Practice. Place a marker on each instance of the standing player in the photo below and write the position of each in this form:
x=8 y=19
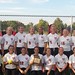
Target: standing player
x=31 y=41
x=53 y=40
x=72 y=63
x=10 y=60
x=19 y=39
x=61 y=63
x=65 y=41
x=23 y=62
x=49 y=63
x=42 y=41
x=36 y=62
x=8 y=39
x=73 y=39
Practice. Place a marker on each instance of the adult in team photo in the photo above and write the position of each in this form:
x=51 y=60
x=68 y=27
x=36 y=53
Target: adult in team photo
x=72 y=62
x=49 y=63
x=42 y=40
x=53 y=40
x=23 y=62
x=10 y=60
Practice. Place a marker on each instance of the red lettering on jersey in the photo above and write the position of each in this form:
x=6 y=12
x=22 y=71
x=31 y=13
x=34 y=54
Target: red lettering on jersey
x=26 y=58
x=67 y=39
x=51 y=42
x=24 y=36
x=6 y=42
x=63 y=43
x=29 y=42
x=11 y=38
x=55 y=37
x=34 y=38
x=19 y=41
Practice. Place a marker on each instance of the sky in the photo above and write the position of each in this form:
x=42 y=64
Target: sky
x=36 y=7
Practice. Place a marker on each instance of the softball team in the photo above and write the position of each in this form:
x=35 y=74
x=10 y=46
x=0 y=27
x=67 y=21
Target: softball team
x=37 y=54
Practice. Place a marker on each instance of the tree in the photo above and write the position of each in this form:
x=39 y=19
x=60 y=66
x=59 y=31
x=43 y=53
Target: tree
x=73 y=26
x=42 y=23
x=59 y=24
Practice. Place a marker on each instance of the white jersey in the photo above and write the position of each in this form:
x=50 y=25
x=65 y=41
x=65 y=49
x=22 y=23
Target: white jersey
x=20 y=37
x=31 y=40
x=61 y=60
x=48 y=61
x=41 y=39
x=23 y=60
x=1 y=41
x=73 y=41
x=8 y=40
x=13 y=57
x=72 y=60
x=65 y=42
x=53 y=40
x=34 y=67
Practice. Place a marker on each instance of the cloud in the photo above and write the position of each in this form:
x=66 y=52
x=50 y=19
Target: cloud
x=39 y=1
x=7 y=1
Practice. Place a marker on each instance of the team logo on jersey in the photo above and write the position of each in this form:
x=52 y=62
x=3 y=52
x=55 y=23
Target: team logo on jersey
x=21 y=62
x=29 y=42
x=6 y=42
x=63 y=59
x=67 y=39
x=41 y=36
x=55 y=37
x=11 y=38
x=26 y=58
x=34 y=38
x=63 y=43
x=24 y=36
x=19 y=41
x=51 y=42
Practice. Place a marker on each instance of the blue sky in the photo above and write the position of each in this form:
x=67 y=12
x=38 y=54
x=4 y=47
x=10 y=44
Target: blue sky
x=38 y=7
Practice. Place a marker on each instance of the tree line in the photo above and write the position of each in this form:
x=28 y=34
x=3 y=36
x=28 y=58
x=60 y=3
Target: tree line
x=57 y=22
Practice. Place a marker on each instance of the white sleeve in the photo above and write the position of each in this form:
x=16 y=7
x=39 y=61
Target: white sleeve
x=16 y=38
x=45 y=38
x=16 y=58
x=25 y=39
x=5 y=58
x=66 y=59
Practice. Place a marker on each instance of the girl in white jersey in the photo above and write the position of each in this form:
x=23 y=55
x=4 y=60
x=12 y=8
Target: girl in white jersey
x=73 y=39
x=31 y=41
x=42 y=41
x=36 y=62
x=49 y=63
x=10 y=60
x=61 y=63
x=72 y=62
x=53 y=40
x=19 y=39
x=65 y=41
x=8 y=39
x=23 y=62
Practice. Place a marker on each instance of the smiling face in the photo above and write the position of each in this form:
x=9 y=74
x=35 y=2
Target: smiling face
x=21 y=29
x=36 y=50
x=40 y=30
x=11 y=49
x=48 y=51
x=23 y=51
x=61 y=50
x=31 y=30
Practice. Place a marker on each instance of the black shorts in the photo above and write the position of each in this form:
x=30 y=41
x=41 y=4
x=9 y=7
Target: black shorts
x=68 y=53
x=30 y=51
x=54 y=51
x=28 y=73
x=36 y=72
x=41 y=49
x=71 y=72
x=1 y=73
x=51 y=72
x=65 y=72
x=18 y=50
x=10 y=71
